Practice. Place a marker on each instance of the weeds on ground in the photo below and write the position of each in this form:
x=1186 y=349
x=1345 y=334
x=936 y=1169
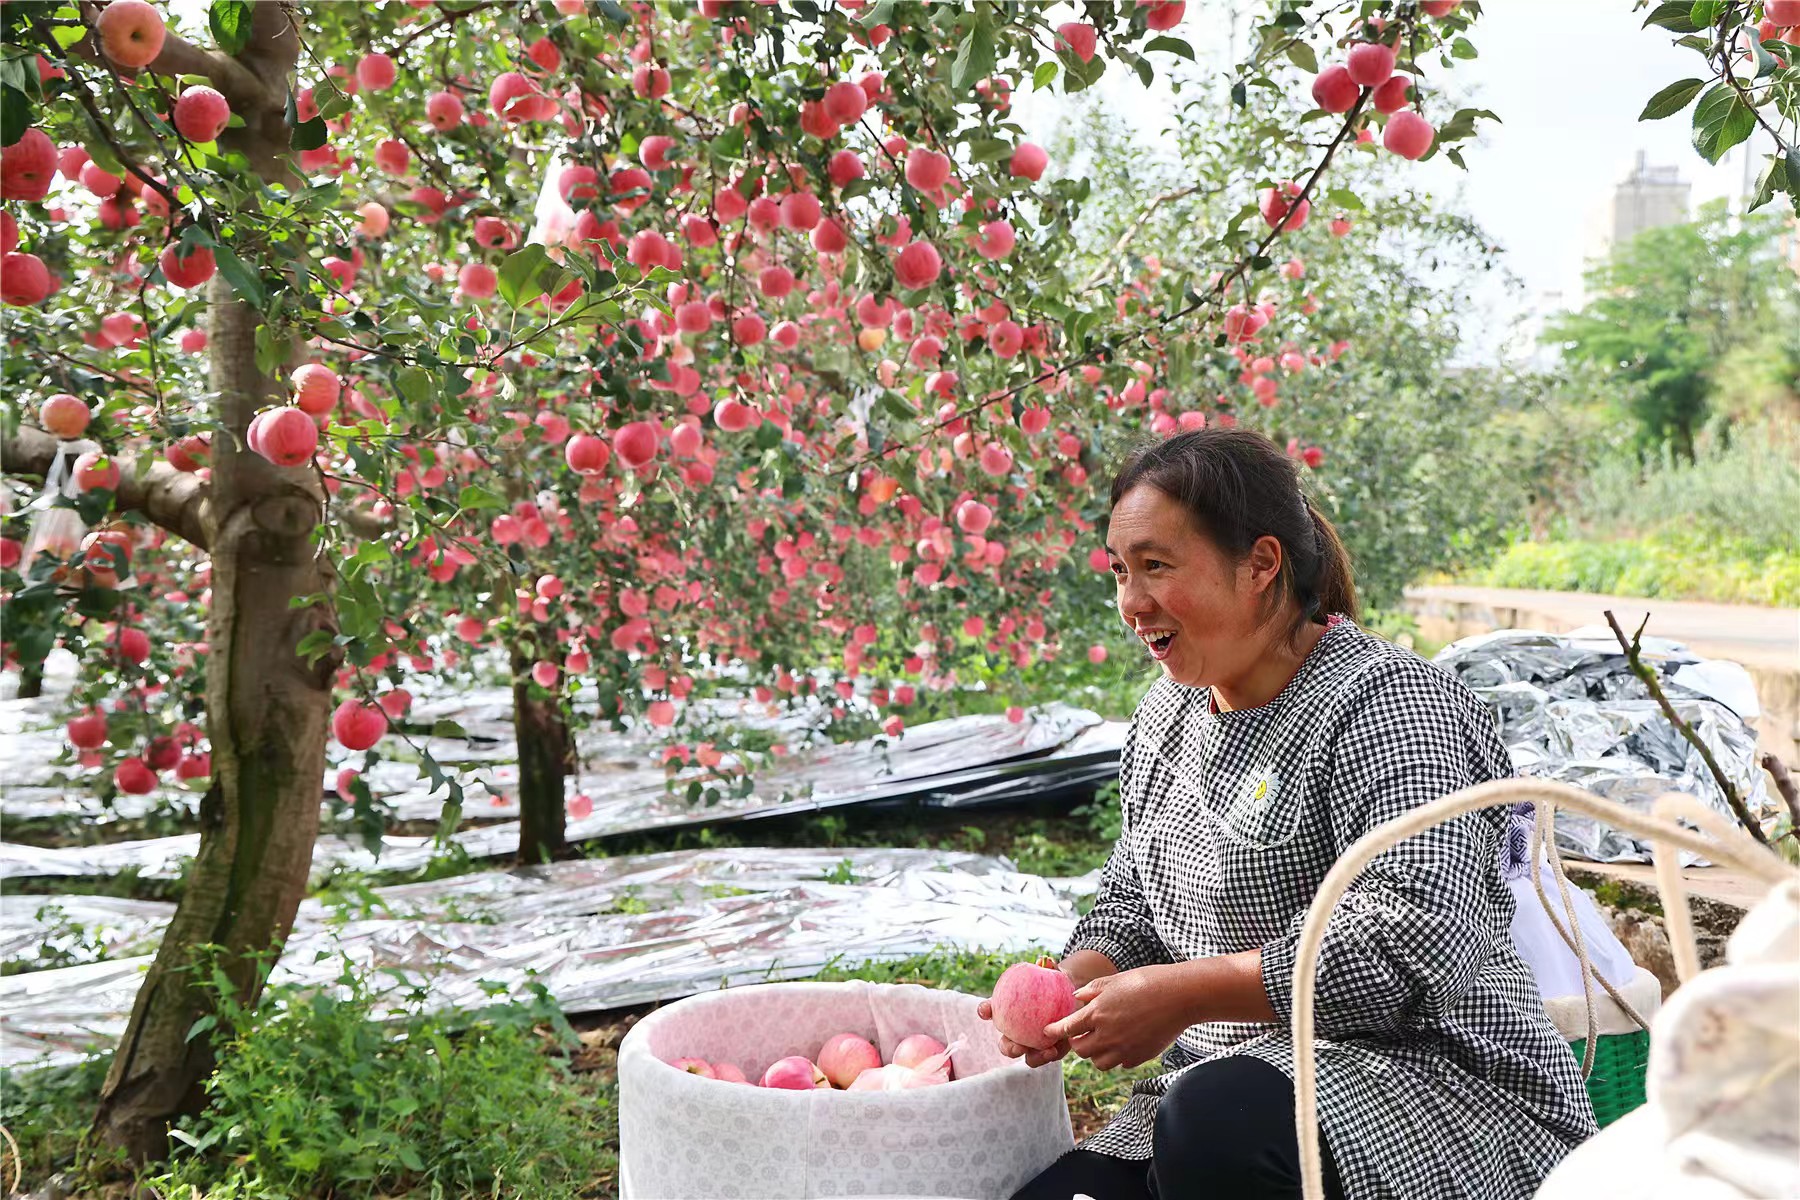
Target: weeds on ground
x=359 y=1092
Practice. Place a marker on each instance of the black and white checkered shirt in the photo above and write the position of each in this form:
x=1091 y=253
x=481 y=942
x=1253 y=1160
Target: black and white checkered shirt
x=1439 y=1073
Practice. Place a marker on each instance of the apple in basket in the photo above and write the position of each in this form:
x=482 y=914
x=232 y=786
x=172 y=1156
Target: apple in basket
x=844 y=1056
x=795 y=1071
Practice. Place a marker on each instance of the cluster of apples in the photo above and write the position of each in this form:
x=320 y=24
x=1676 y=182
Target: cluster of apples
x=846 y=1062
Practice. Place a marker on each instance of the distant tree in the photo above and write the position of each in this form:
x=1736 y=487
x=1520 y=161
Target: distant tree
x=1668 y=306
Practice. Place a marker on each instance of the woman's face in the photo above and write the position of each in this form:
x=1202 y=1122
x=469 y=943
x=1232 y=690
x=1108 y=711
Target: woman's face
x=1172 y=579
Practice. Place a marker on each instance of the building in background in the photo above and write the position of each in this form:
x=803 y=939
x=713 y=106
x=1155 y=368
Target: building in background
x=1649 y=198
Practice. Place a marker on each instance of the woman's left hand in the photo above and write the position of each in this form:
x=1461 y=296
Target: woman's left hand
x=1128 y=1018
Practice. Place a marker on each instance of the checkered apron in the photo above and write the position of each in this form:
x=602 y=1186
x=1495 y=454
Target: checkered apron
x=1439 y=1073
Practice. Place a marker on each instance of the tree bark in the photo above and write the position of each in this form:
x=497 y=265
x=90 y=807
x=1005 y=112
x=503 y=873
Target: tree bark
x=546 y=754
x=267 y=720
x=267 y=711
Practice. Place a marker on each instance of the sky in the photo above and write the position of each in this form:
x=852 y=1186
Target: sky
x=1568 y=79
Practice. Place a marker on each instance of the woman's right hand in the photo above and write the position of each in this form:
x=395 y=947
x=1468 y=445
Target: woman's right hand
x=1012 y=1049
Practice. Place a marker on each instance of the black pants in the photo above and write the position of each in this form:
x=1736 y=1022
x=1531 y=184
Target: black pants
x=1225 y=1130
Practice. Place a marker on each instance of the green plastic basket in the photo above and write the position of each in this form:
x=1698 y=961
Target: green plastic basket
x=1621 y=1061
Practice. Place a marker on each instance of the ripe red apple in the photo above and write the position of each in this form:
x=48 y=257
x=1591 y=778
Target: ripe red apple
x=24 y=279
x=1443 y=8
x=316 y=387
x=95 y=472
x=64 y=415
x=795 y=1072
x=131 y=775
x=1078 y=37
x=376 y=72
x=1370 y=63
x=201 y=114
x=926 y=169
x=915 y=1049
x=131 y=32
x=285 y=436
x=1028 y=161
x=917 y=266
x=88 y=731
x=636 y=444
x=1162 y=14
x=587 y=453
x=1408 y=134
x=844 y=1056
x=357 y=726
x=1392 y=96
x=28 y=166
x=444 y=110
x=1028 y=997
x=1334 y=91
x=189 y=270
x=1280 y=209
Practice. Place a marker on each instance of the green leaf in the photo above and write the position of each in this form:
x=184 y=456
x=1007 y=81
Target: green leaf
x=446 y=728
x=987 y=150
x=1463 y=48
x=521 y=275
x=313 y=645
x=1673 y=15
x=309 y=135
x=1044 y=76
x=1672 y=99
x=15 y=115
x=67 y=35
x=1298 y=52
x=1721 y=121
x=243 y=280
x=475 y=497
x=229 y=21
x=1344 y=198
x=1772 y=180
x=1765 y=62
x=974 y=58
x=1174 y=45
x=415 y=387
x=1703 y=13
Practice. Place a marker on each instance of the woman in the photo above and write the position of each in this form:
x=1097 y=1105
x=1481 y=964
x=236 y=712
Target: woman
x=1278 y=735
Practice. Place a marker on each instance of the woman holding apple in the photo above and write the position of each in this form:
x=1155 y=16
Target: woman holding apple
x=1280 y=733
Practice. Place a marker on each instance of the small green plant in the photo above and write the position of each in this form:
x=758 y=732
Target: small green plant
x=357 y=1091
x=842 y=873
x=1104 y=818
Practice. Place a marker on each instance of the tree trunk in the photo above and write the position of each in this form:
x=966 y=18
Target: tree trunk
x=546 y=754
x=267 y=720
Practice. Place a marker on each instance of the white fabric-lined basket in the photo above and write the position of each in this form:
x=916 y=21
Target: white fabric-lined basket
x=983 y=1135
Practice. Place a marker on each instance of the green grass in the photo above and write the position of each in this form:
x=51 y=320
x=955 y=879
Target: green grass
x=1661 y=566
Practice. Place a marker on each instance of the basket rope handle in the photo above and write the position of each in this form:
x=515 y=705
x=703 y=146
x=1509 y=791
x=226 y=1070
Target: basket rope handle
x=1726 y=844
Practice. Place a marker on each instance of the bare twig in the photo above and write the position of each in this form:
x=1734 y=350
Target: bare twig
x=1648 y=675
x=1784 y=783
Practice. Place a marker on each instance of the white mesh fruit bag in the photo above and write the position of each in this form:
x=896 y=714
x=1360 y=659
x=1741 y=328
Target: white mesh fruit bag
x=984 y=1134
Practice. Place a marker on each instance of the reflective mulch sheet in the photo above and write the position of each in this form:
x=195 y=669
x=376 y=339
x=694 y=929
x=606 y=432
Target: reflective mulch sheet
x=1570 y=709
x=958 y=762
x=598 y=933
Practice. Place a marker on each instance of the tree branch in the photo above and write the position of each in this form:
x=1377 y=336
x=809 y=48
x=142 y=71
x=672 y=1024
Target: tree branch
x=1648 y=675
x=1784 y=783
x=175 y=500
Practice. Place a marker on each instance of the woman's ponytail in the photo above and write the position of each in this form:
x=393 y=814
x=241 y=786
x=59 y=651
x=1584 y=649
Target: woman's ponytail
x=1333 y=587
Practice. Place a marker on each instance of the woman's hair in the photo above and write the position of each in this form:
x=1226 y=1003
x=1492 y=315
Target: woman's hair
x=1238 y=486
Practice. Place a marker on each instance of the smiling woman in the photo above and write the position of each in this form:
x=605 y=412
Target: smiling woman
x=1225 y=570
x=1279 y=734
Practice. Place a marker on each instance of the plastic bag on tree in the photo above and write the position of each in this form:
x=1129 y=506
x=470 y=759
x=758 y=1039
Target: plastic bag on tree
x=988 y=1131
x=56 y=530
